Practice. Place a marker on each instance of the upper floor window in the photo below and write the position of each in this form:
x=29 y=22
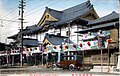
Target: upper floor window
x=67 y=33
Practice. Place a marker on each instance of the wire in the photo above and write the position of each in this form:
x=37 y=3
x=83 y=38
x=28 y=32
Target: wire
x=10 y=20
x=32 y=9
x=29 y=10
x=4 y=33
x=42 y=8
x=30 y=2
x=14 y=11
x=98 y=2
x=38 y=6
x=7 y=9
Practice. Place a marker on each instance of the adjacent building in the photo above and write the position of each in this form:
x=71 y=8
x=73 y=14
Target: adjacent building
x=101 y=36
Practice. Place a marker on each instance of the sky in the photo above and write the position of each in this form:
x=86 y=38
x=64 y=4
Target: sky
x=34 y=9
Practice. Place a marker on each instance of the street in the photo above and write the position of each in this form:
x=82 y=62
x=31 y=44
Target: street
x=41 y=71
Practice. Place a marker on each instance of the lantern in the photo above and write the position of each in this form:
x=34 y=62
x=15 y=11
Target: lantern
x=3 y=52
x=74 y=45
x=60 y=46
x=80 y=45
x=35 y=48
x=109 y=40
x=88 y=43
x=66 y=47
x=23 y=49
x=54 y=47
x=18 y=51
x=13 y=51
x=27 y=49
x=30 y=49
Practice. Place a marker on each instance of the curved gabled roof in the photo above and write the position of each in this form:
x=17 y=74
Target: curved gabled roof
x=70 y=14
x=34 y=30
x=74 y=12
x=31 y=27
x=77 y=7
x=55 y=13
x=108 y=17
x=56 y=40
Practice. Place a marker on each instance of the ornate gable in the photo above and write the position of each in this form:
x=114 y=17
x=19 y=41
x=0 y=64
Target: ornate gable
x=91 y=15
x=47 y=42
x=46 y=17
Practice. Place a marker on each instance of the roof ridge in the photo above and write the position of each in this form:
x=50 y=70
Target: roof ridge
x=47 y=8
x=115 y=12
x=110 y=14
x=106 y=15
x=84 y=3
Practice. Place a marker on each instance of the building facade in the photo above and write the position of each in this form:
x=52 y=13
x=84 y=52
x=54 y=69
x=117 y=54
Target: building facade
x=66 y=22
x=102 y=36
x=93 y=33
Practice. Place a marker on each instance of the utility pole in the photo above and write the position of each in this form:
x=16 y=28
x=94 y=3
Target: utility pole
x=100 y=47
x=21 y=11
x=69 y=32
x=7 y=51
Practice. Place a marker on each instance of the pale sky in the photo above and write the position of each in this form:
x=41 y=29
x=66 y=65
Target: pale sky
x=34 y=10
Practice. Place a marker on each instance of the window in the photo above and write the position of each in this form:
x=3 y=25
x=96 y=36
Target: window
x=67 y=33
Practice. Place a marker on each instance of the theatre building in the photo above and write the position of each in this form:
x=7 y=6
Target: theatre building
x=80 y=25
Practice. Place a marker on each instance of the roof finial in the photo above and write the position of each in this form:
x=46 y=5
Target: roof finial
x=46 y=7
x=113 y=12
x=88 y=0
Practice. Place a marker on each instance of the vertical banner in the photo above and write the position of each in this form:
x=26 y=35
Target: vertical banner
x=40 y=48
x=59 y=55
x=99 y=42
x=27 y=54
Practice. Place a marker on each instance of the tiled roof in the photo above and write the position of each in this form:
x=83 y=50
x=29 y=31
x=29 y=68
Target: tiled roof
x=30 y=42
x=32 y=30
x=69 y=14
x=111 y=16
x=31 y=27
x=13 y=36
x=102 y=26
x=55 y=13
x=64 y=16
x=74 y=12
x=26 y=31
x=56 y=40
x=110 y=19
